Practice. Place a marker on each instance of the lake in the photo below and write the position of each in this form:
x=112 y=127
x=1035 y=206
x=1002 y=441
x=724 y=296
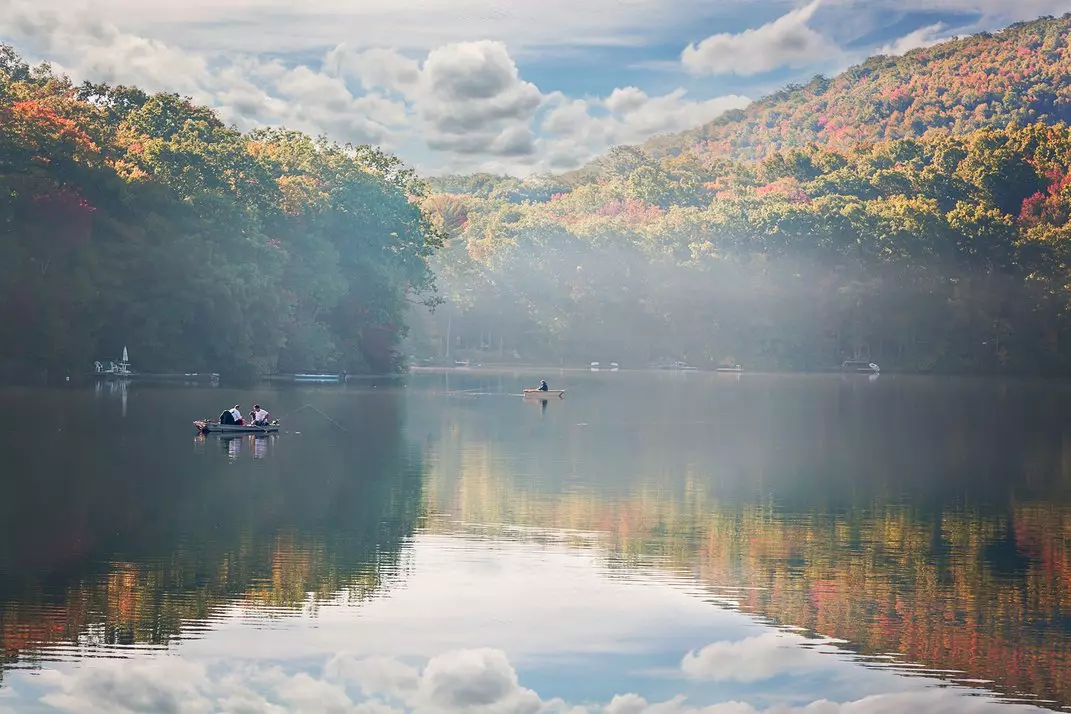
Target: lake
x=652 y=543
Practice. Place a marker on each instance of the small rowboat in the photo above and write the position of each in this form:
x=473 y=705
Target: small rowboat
x=536 y=394
x=214 y=427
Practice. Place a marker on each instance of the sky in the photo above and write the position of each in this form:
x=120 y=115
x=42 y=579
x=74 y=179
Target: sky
x=505 y=86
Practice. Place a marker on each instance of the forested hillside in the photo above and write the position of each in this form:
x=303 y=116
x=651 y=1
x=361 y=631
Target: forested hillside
x=1018 y=75
x=138 y=220
x=911 y=211
x=941 y=254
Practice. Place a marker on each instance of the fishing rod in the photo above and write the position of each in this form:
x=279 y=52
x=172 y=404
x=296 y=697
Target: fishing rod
x=314 y=408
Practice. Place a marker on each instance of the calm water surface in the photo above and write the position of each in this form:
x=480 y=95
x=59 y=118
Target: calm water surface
x=664 y=543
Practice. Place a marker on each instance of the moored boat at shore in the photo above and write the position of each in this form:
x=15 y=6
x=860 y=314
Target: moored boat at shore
x=860 y=366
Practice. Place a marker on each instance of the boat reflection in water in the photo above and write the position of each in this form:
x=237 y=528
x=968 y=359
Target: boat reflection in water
x=260 y=446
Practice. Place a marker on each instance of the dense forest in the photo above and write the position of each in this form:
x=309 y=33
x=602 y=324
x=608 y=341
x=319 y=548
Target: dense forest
x=941 y=252
x=911 y=211
x=130 y=219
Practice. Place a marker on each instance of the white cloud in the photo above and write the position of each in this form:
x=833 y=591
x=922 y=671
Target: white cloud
x=994 y=12
x=444 y=92
x=473 y=101
x=376 y=676
x=786 y=42
x=257 y=26
x=930 y=701
x=475 y=681
x=479 y=681
x=635 y=704
x=167 y=686
x=922 y=37
x=625 y=100
x=247 y=91
x=754 y=659
x=314 y=696
x=463 y=106
x=374 y=67
x=578 y=129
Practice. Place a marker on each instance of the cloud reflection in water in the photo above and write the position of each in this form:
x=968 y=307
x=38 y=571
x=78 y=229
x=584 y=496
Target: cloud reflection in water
x=504 y=626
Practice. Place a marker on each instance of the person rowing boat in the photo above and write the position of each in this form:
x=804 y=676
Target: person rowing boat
x=543 y=391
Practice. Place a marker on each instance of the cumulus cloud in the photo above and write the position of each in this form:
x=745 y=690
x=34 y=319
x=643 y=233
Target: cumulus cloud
x=480 y=681
x=375 y=67
x=448 y=103
x=753 y=659
x=453 y=107
x=247 y=91
x=465 y=103
x=578 y=129
x=305 y=694
x=786 y=42
x=626 y=100
x=473 y=681
x=930 y=701
x=922 y=37
x=376 y=676
x=473 y=101
x=168 y=686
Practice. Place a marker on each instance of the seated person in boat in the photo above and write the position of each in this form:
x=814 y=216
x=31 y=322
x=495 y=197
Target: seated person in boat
x=232 y=416
x=259 y=416
x=543 y=385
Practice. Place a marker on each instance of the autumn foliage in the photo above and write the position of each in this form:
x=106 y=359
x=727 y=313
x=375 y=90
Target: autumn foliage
x=912 y=211
x=1015 y=76
x=138 y=220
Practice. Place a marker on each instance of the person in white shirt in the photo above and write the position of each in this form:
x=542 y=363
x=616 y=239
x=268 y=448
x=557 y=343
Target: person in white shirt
x=260 y=416
x=237 y=414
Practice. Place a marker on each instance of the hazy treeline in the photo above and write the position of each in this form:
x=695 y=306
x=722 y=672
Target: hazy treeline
x=945 y=253
x=130 y=219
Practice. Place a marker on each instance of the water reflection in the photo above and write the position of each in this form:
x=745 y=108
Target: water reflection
x=689 y=541
x=112 y=388
x=123 y=540
x=927 y=525
x=258 y=446
x=462 y=638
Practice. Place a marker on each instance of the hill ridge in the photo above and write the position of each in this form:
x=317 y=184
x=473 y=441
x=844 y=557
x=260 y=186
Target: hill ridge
x=1018 y=75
